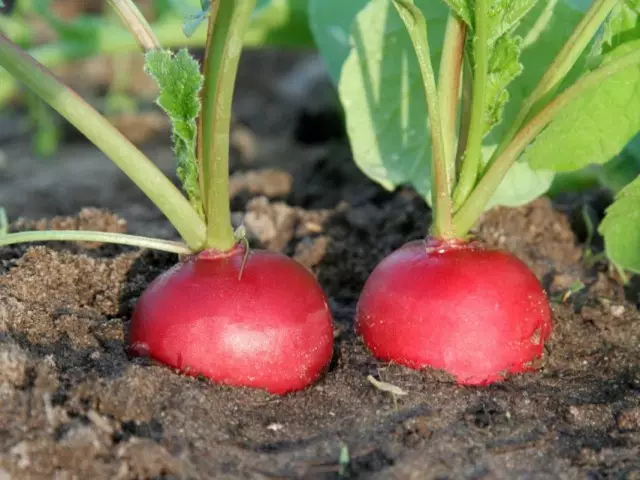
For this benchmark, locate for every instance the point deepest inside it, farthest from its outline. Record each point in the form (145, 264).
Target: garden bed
(73, 404)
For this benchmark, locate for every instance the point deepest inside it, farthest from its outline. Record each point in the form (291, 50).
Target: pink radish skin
(269, 328)
(476, 313)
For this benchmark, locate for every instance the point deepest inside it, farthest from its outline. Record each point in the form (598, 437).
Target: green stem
(133, 19)
(559, 68)
(472, 162)
(449, 88)
(109, 140)
(417, 29)
(466, 98)
(88, 236)
(228, 23)
(475, 204)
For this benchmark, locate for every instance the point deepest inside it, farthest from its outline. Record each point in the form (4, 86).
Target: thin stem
(465, 110)
(475, 204)
(471, 161)
(227, 26)
(109, 140)
(559, 68)
(88, 236)
(133, 19)
(540, 25)
(449, 88)
(417, 29)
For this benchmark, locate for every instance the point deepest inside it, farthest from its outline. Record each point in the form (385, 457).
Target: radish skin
(264, 325)
(476, 313)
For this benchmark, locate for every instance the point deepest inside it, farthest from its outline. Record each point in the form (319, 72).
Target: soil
(73, 404)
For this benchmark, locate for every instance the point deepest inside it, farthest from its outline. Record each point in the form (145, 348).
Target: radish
(476, 313)
(239, 317)
(264, 324)
(448, 302)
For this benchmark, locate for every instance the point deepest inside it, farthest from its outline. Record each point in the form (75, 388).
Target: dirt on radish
(73, 404)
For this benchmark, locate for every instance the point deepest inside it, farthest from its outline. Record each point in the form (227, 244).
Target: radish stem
(465, 110)
(133, 19)
(109, 140)
(417, 28)
(471, 160)
(449, 89)
(559, 68)
(228, 23)
(474, 205)
(88, 236)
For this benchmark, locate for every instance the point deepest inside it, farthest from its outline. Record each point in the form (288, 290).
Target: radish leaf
(380, 88)
(594, 128)
(179, 80)
(330, 22)
(383, 95)
(621, 228)
(622, 26)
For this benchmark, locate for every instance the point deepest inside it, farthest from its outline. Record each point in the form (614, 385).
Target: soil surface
(74, 405)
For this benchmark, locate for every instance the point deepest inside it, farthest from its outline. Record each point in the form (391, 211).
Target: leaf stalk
(108, 139)
(228, 24)
(135, 22)
(417, 28)
(473, 207)
(471, 161)
(449, 89)
(559, 68)
(90, 236)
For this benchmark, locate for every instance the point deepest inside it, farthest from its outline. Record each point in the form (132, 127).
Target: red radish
(476, 313)
(264, 325)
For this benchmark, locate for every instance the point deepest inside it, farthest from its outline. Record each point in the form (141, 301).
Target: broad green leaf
(520, 185)
(179, 80)
(382, 92)
(595, 127)
(621, 228)
(622, 26)
(331, 22)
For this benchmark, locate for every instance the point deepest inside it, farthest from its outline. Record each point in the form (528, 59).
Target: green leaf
(179, 80)
(621, 228)
(504, 67)
(506, 15)
(380, 89)
(595, 127)
(382, 92)
(622, 26)
(330, 22)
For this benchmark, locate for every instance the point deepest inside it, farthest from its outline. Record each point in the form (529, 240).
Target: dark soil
(74, 405)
